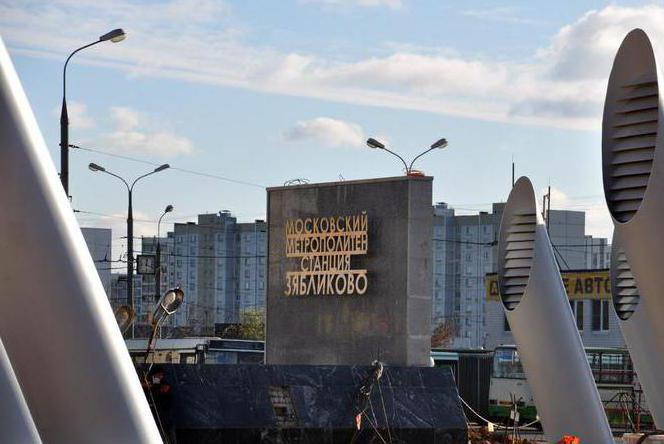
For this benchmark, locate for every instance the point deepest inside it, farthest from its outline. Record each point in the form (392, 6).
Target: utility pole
(548, 209)
(512, 171)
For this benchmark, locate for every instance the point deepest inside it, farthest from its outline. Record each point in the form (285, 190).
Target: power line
(183, 170)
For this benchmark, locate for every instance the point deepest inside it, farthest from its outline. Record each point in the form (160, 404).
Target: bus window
(187, 358)
(250, 358)
(506, 364)
(610, 367)
(615, 368)
(221, 357)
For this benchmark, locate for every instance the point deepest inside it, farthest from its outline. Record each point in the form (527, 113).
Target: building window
(600, 315)
(577, 311)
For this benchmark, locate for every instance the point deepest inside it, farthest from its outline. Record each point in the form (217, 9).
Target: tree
(443, 334)
(251, 326)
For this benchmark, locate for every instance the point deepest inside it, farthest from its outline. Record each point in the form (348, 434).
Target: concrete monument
(349, 272)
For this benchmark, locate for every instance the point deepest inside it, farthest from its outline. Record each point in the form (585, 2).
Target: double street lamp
(375, 144)
(117, 35)
(130, 223)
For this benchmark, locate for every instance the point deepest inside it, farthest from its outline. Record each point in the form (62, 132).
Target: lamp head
(442, 143)
(94, 167)
(168, 304)
(162, 167)
(168, 209)
(373, 143)
(115, 36)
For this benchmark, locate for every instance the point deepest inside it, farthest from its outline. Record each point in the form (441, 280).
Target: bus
(198, 350)
(611, 367)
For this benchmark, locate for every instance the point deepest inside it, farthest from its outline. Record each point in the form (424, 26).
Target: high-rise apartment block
(219, 263)
(221, 266)
(465, 249)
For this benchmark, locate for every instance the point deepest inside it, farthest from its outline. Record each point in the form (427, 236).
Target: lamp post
(375, 144)
(116, 35)
(130, 225)
(157, 277)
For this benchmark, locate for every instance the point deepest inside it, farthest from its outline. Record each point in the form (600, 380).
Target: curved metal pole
(64, 124)
(115, 175)
(157, 278)
(141, 177)
(159, 224)
(417, 157)
(400, 158)
(64, 70)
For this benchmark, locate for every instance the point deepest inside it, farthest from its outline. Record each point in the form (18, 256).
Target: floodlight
(168, 304)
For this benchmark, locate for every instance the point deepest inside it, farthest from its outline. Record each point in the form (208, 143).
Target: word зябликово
(325, 246)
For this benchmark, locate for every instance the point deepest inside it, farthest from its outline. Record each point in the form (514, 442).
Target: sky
(253, 94)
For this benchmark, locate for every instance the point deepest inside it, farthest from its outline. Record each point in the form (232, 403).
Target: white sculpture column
(56, 323)
(539, 315)
(633, 171)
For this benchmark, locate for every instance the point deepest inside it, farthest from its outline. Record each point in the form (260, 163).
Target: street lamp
(130, 224)
(375, 144)
(167, 305)
(157, 277)
(116, 35)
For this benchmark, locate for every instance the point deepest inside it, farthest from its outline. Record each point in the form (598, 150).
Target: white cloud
(331, 132)
(133, 134)
(598, 221)
(392, 4)
(562, 85)
(78, 115)
(499, 14)
(598, 218)
(559, 198)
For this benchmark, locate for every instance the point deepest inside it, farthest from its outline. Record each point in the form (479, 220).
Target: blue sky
(263, 92)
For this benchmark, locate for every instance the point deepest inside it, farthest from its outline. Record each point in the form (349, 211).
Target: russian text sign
(324, 247)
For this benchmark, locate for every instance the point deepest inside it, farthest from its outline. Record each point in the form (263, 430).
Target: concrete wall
(391, 321)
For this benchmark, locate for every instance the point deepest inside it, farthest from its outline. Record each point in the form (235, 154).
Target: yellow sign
(324, 246)
(593, 284)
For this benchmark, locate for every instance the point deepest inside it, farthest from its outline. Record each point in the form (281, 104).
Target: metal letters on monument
(324, 247)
